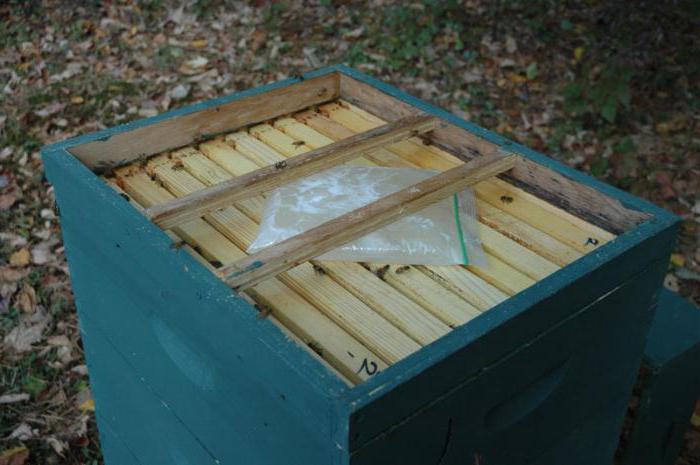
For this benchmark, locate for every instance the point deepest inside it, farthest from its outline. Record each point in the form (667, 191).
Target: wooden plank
(336, 131)
(509, 251)
(546, 183)
(346, 310)
(361, 221)
(499, 248)
(527, 235)
(305, 163)
(472, 288)
(503, 276)
(440, 301)
(220, 151)
(178, 131)
(391, 304)
(567, 228)
(252, 148)
(316, 330)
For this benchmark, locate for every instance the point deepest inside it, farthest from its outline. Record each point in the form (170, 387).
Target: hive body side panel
(133, 422)
(114, 450)
(240, 386)
(670, 384)
(517, 409)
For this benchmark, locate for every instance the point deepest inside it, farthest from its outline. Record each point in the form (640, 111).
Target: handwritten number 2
(369, 367)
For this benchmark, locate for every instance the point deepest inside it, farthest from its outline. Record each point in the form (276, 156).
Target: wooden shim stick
(345, 228)
(184, 127)
(197, 204)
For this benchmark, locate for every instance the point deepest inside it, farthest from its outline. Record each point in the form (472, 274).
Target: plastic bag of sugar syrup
(445, 233)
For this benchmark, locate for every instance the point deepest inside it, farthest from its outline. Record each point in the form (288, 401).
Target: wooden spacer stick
(287, 254)
(183, 209)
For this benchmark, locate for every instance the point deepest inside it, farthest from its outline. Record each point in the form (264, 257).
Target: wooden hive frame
(568, 216)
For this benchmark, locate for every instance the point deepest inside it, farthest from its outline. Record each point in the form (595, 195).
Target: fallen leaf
(507, 63)
(23, 432)
(199, 43)
(41, 253)
(28, 331)
(84, 401)
(88, 405)
(6, 201)
(511, 44)
(14, 398)
(58, 446)
(516, 78)
(77, 100)
(197, 62)
(50, 110)
(671, 283)
(26, 299)
(258, 39)
(80, 369)
(578, 54)
(531, 71)
(11, 275)
(179, 92)
(685, 273)
(677, 259)
(14, 456)
(20, 258)
(59, 341)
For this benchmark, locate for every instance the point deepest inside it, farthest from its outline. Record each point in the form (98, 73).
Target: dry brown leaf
(14, 456)
(58, 446)
(259, 38)
(59, 341)
(20, 258)
(26, 299)
(6, 201)
(29, 331)
(14, 398)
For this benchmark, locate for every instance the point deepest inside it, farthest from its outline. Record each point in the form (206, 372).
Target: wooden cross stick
(352, 225)
(183, 209)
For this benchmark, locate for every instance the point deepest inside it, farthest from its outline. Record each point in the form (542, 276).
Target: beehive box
(524, 361)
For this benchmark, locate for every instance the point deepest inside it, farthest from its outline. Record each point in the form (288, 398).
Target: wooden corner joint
(183, 209)
(287, 254)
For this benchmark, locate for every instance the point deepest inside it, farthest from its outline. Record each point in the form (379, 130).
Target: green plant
(606, 96)
(407, 32)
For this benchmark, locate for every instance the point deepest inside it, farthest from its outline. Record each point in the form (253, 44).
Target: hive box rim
(356, 397)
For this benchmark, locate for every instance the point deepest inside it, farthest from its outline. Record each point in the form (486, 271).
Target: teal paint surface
(513, 411)
(198, 345)
(114, 450)
(669, 385)
(131, 417)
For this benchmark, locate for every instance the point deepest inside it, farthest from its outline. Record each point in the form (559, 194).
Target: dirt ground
(609, 87)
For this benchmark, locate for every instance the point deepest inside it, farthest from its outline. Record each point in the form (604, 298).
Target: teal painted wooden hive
(199, 354)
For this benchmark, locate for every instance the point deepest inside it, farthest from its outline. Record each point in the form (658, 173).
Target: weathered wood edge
(194, 205)
(320, 377)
